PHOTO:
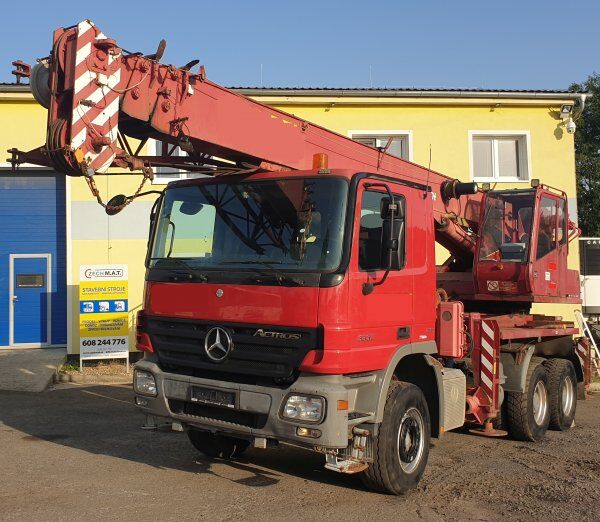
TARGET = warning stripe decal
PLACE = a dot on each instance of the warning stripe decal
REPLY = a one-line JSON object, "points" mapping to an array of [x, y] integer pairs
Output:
{"points": [[95, 100], [487, 359]]}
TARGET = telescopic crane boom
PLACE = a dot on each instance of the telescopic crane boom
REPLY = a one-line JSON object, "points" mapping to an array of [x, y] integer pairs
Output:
{"points": [[98, 95]]}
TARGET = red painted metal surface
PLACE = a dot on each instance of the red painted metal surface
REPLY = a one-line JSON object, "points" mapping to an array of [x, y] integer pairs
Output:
{"points": [[450, 329], [272, 305]]}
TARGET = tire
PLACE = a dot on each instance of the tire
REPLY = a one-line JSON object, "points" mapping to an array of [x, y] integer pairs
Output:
{"points": [[217, 446], [528, 413], [562, 389], [399, 462]]}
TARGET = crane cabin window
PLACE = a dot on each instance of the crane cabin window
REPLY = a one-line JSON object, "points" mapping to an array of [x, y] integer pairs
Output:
{"points": [[500, 158], [506, 231], [548, 231]]}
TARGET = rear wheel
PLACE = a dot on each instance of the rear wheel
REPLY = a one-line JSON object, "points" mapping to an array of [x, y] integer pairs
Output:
{"points": [[401, 447], [528, 413], [562, 390], [217, 446]]}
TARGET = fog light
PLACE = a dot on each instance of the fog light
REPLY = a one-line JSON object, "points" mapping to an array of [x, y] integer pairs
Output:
{"points": [[304, 408], [144, 383], [141, 401], [308, 432]]}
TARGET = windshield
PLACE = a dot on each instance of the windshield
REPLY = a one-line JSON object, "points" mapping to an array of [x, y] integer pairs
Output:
{"points": [[293, 224], [506, 231]]}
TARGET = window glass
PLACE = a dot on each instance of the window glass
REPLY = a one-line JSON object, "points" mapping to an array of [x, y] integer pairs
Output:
{"points": [[483, 158], [371, 250], [506, 230], [293, 224], [589, 255], [547, 227], [30, 281], [188, 235], [398, 146], [508, 158], [562, 223], [502, 158], [164, 175]]}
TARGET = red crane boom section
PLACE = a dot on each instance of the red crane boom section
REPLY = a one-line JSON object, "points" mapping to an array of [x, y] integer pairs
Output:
{"points": [[99, 94]]}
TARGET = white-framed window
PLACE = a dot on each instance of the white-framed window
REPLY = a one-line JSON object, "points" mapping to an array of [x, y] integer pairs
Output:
{"points": [[400, 146], [163, 175], [500, 156]]}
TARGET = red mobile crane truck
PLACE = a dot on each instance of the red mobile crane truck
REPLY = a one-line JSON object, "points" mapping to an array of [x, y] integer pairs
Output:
{"points": [[293, 295]]}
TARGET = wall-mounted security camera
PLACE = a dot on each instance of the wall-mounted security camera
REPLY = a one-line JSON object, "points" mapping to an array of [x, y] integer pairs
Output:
{"points": [[570, 126]]}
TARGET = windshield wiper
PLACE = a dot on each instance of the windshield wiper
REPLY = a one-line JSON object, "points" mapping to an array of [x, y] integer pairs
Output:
{"points": [[193, 274], [279, 275]]}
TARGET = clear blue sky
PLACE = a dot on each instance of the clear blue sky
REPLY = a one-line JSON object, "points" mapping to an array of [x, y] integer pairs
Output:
{"points": [[421, 43]]}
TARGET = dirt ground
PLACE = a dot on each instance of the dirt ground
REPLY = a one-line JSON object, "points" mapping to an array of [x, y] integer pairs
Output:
{"points": [[77, 452]]}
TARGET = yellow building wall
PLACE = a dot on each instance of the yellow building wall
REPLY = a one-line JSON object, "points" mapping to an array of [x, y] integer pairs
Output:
{"points": [[22, 123], [441, 125]]}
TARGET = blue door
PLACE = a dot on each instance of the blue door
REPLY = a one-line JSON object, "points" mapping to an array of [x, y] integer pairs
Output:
{"points": [[33, 221], [30, 299]]}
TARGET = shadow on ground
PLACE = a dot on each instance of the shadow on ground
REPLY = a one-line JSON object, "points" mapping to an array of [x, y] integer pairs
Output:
{"points": [[103, 420]]}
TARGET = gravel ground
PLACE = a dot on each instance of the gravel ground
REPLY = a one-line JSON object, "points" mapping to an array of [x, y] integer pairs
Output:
{"points": [[77, 452]]}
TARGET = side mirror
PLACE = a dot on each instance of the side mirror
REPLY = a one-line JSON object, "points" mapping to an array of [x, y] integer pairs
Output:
{"points": [[392, 235], [116, 204]]}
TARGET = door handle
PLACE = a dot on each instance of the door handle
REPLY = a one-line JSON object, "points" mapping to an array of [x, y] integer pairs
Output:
{"points": [[15, 298]]}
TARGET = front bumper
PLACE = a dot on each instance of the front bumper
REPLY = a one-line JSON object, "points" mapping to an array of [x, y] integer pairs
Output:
{"points": [[258, 408]]}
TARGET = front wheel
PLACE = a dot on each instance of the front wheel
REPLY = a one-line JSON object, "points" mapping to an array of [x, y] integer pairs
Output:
{"points": [[217, 446], [401, 447]]}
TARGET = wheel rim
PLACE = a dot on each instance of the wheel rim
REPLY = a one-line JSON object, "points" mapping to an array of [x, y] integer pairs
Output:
{"points": [[411, 441], [540, 403], [567, 394]]}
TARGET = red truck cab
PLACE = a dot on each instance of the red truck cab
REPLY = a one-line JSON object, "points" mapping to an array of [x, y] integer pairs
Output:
{"points": [[303, 286]]}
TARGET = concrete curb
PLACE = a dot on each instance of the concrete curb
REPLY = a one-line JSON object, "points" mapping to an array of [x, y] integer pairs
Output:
{"points": [[54, 376], [93, 379]]}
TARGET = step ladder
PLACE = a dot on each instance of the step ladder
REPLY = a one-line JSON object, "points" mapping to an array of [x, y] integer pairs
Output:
{"points": [[585, 329]]}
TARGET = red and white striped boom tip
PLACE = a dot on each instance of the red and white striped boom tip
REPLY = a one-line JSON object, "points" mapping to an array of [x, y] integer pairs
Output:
{"points": [[96, 84]]}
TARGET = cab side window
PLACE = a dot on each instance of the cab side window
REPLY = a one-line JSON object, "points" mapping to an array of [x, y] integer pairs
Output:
{"points": [[374, 233]]}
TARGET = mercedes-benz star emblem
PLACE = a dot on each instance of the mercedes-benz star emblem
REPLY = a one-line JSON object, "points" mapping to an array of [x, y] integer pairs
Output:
{"points": [[218, 344]]}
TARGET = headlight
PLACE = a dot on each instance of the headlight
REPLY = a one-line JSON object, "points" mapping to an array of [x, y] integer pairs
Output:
{"points": [[144, 382], [304, 408]]}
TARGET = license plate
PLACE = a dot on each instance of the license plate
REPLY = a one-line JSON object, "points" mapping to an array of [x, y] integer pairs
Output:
{"points": [[213, 397]]}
